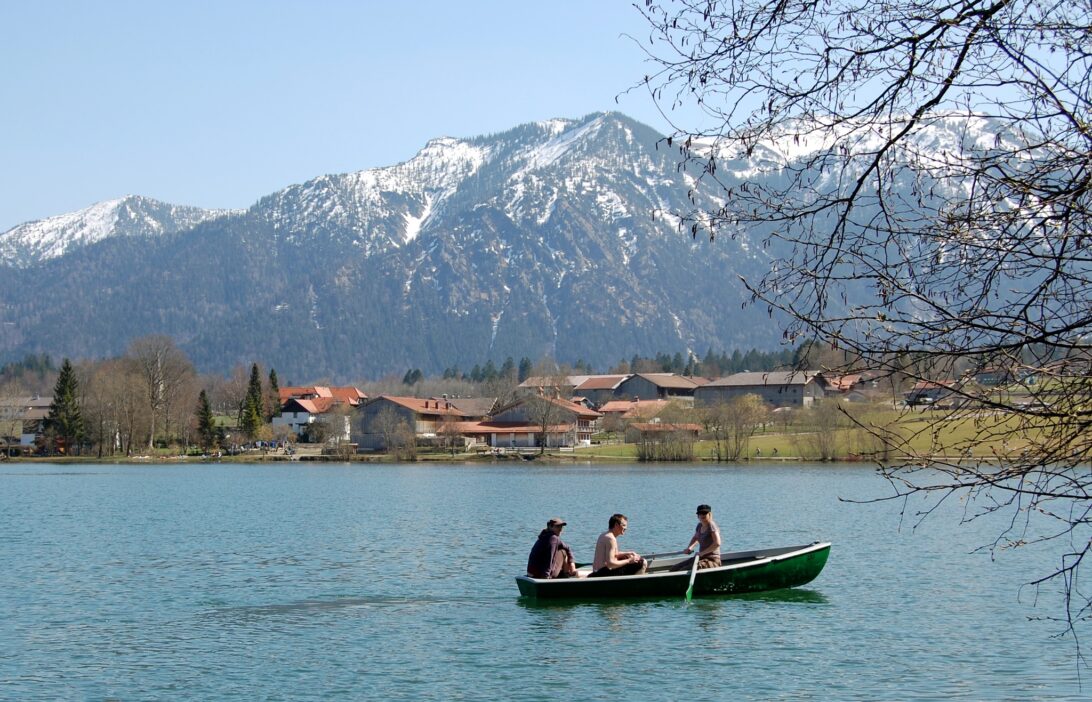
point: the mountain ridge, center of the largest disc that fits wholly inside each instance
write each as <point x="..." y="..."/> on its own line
<point x="538" y="240"/>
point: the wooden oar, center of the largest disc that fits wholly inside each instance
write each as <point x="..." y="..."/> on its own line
<point x="693" y="573"/>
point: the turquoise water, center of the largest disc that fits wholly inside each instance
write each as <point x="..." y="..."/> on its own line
<point x="325" y="582"/>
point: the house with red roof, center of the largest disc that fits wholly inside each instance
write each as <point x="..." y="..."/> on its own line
<point x="428" y="418"/>
<point x="348" y="395"/>
<point x="633" y="409"/>
<point x="520" y="424"/>
<point x="303" y="406"/>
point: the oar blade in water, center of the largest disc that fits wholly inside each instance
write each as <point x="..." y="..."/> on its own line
<point x="693" y="574"/>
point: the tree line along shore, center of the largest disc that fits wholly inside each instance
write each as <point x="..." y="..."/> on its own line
<point x="151" y="404"/>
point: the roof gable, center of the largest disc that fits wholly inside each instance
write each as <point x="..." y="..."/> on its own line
<point x="601" y="382"/>
<point x="634" y="408"/>
<point x="764" y="379"/>
<point x="580" y="411"/>
<point x="668" y="380"/>
<point x="427" y="405"/>
<point x="314" y="405"/>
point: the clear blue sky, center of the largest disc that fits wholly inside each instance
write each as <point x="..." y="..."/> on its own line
<point x="215" y="104"/>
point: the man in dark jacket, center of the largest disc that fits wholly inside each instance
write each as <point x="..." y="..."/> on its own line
<point x="550" y="556"/>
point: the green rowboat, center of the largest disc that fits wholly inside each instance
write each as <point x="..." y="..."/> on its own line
<point x="740" y="572"/>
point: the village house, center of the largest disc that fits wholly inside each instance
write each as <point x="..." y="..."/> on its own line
<point x="428" y="418"/>
<point x="22" y="422"/>
<point x="994" y="376"/>
<point x="777" y="388"/>
<point x="519" y="424"/>
<point x="348" y="395"/>
<point x="599" y="389"/>
<point x="658" y="386"/>
<point x="851" y="387"/>
<point x="302" y="407"/>
<point x="840" y="384"/>
<point x="618" y="413"/>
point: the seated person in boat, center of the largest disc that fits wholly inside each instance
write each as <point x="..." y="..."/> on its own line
<point x="707" y="537"/>
<point x="608" y="559"/>
<point x="550" y="556"/>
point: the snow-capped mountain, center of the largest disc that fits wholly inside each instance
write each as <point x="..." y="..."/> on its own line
<point x="135" y="216"/>
<point x="553" y="237"/>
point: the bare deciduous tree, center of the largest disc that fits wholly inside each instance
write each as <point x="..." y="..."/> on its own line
<point x="450" y="436"/>
<point x="117" y="404"/>
<point x="733" y="423"/>
<point x="547" y="415"/>
<point x="822" y="432"/>
<point x="404" y="443"/>
<point x="392" y="427"/>
<point x="227" y="395"/>
<point x="542" y="408"/>
<point x="936" y="259"/>
<point x="165" y="368"/>
<point x="675" y="445"/>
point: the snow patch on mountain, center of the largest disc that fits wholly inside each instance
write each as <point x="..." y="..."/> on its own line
<point x="133" y="216"/>
<point x="376" y="206"/>
<point x="413" y="224"/>
<point x="547" y="154"/>
<point x="797" y="141"/>
<point x="554" y="126"/>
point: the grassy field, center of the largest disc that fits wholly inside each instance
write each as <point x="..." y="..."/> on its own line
<point x="926" y="433"/>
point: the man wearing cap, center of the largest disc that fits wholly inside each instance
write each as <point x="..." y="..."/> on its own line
<point x="550" y="556"/>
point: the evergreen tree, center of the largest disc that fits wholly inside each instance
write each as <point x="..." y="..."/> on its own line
<point x="251" y="419"/>
<point x="508" y="370"/>
<point x="274" y="395"/>
<point x="737" y="362"/>
<point x="206" y="425"/>
<point x="525" y="367"/>
<point x="65" y="422"/>
<point x="252" y="408"/>
<point x="254" y="389"/>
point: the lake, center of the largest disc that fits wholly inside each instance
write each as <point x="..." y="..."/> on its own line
<point x="356" y="581"/>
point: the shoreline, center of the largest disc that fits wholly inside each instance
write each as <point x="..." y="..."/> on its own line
<point x="515" y="460"/>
